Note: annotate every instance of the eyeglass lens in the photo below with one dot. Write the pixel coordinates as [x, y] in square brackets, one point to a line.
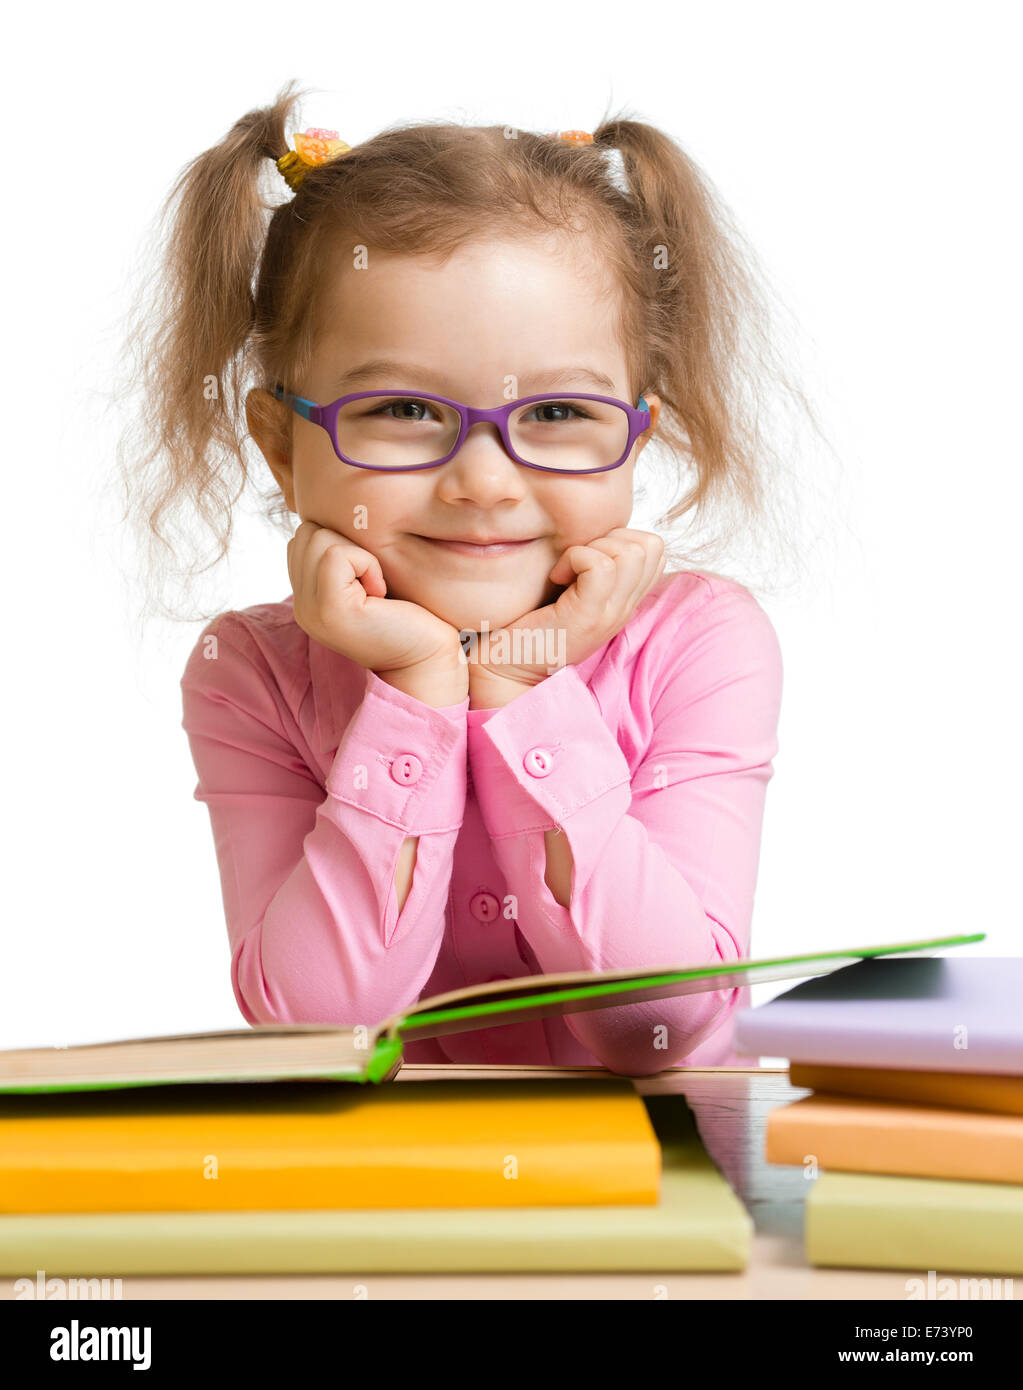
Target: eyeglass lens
[566, 433]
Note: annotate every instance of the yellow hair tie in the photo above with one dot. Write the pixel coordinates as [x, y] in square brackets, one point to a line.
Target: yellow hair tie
[575, 137]
[314, 146]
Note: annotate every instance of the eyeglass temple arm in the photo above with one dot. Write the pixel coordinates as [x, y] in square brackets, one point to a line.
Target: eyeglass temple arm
[308, 409]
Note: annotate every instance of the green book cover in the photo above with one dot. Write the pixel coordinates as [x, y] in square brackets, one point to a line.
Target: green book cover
[269, 1052]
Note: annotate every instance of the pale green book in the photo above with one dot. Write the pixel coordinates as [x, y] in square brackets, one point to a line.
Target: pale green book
[698, 1225]
[877, 1221]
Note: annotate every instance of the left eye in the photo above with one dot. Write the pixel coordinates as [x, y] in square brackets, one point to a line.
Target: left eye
[401, 405]
[560, 406]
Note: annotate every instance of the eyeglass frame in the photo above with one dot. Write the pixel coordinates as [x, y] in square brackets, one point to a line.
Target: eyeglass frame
[326, 417]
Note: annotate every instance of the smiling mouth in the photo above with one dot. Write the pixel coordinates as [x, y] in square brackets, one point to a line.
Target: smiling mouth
[479, 551]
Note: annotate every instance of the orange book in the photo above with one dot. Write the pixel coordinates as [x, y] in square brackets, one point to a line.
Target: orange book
[301, 1146]
[861, 1136]
[953, 1090]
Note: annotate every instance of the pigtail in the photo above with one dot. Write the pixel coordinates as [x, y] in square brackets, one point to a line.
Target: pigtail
[189, 334]
[712, 352]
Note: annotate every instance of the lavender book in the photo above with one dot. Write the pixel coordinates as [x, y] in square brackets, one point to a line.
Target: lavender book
[938, 1014]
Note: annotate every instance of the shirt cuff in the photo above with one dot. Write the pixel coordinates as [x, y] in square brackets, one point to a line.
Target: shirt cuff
[543, 756]
[403, 761]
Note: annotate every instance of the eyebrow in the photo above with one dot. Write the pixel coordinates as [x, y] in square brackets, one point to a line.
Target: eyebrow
[404, 373]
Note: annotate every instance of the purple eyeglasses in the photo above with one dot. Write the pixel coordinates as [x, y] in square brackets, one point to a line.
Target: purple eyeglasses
[602, 428]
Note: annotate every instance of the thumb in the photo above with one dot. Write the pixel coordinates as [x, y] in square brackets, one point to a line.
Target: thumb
[371, 576]
[562, 573]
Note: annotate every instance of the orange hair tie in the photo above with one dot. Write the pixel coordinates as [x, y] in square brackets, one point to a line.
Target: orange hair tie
[614, 164]
[314, 146]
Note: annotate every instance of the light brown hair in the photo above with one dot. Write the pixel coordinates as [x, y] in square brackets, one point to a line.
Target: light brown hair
[232, 305]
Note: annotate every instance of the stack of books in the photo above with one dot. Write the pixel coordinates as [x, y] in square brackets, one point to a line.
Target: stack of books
[294, 1177]
[916, 1113]
[252, 1151]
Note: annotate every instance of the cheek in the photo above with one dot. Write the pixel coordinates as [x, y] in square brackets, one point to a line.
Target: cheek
[595, 514]
[353, 506]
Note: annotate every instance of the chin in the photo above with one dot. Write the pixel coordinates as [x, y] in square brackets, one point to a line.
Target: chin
[496, 615]
[479, 603]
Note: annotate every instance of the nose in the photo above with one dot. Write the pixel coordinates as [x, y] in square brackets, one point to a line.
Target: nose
[483, 470]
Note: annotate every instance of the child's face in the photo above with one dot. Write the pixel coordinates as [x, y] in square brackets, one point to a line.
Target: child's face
[494, 310]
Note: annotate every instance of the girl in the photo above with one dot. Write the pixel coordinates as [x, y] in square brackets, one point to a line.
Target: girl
[488, 733]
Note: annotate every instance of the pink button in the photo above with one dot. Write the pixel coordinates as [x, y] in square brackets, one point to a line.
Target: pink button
[538, 762]
[406, 769]
[484, 907]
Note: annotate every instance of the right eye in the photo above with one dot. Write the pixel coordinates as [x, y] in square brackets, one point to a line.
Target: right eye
[402, 403]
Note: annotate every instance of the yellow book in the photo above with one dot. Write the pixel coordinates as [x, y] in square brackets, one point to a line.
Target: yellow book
[953, 1090]
[861, 1136]
[698, 1224]
[870, 1221]
[300, 1145]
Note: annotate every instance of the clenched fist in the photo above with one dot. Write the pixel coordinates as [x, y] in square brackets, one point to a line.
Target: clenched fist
[340, 601]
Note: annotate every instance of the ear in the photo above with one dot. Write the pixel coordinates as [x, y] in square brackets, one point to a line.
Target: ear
[269, 422]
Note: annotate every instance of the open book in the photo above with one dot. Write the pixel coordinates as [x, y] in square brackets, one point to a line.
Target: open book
[372, 1052]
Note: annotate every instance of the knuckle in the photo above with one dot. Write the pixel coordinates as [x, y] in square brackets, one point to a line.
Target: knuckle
[336, 557]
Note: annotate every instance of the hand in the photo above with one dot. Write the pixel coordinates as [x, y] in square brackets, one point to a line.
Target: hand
[612, 574]
[340, 601]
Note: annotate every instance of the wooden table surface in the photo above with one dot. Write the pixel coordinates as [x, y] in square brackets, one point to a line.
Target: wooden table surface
[730, 1106]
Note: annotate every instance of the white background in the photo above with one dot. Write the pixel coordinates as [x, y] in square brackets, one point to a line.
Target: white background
[870, 153]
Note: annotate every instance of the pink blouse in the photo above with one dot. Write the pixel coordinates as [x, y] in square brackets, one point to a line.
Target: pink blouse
[652, 755]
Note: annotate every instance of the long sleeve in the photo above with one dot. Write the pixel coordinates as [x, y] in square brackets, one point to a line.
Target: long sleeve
[307, 870]
[665, 855]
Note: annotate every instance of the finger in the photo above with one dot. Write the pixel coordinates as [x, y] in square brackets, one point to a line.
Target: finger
[650, 541]
[630, 560]
[660, 566]
[337, 585]
[653, 558]
[363, 564]
[297, 548]
[654, 563]
[367, 570]
[595, 574]
[355, 570]
[288, 553]
[612, 544]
